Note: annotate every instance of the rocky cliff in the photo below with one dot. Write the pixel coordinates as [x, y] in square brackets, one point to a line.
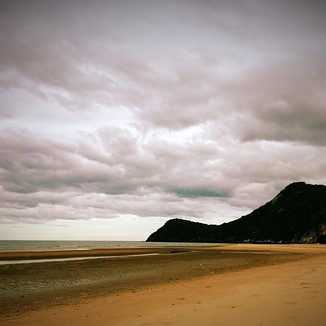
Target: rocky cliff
[296, 215]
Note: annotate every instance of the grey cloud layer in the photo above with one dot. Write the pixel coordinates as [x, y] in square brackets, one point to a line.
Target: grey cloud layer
[160, 178]
[190, 108]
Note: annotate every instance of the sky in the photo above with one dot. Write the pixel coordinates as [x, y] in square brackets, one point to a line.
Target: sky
[119, 115]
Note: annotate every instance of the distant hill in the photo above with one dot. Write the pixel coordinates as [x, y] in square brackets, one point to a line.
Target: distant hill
[296, 215]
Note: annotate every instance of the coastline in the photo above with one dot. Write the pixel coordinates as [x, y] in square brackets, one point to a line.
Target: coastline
[102, 252]
[101, 286]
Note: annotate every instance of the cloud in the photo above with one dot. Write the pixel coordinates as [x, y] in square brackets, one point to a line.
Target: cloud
[196, 109]
[197, 192]
[120, 175]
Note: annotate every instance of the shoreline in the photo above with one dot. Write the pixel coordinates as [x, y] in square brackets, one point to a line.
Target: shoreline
[80, 253]
[88, 284]
[53, 255]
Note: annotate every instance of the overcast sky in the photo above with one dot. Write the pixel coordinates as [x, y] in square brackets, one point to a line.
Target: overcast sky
[118, 115]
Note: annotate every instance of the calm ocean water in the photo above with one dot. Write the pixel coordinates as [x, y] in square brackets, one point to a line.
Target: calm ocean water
[40, 245]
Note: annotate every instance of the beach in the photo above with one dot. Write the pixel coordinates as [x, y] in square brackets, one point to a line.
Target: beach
[228, 285]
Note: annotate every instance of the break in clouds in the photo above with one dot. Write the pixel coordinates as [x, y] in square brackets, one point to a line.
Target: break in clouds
[194, 109]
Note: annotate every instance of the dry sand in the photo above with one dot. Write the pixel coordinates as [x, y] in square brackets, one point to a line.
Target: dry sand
[233, 285]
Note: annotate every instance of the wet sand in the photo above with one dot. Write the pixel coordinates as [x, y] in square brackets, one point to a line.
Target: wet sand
[234, 285]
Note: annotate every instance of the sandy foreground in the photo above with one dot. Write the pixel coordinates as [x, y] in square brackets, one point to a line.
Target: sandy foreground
[230, 285]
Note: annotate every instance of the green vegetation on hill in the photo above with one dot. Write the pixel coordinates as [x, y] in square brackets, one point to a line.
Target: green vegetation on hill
[296, 215]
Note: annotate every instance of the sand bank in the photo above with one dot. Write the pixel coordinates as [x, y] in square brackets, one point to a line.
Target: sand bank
[226, 286]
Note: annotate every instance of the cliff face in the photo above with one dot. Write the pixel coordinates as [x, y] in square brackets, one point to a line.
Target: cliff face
[296, 215]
